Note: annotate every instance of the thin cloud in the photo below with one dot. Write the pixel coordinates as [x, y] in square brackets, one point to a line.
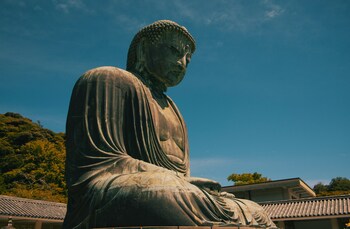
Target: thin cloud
[230, 15]
[274, 13]
[131, 24]
[186, 10]
[67, 5]
[273, 10]
[225, 15]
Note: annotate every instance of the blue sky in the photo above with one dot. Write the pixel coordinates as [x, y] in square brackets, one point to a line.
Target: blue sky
[267, 89]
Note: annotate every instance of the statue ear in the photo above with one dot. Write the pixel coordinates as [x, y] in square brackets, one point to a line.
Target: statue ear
[141, 55]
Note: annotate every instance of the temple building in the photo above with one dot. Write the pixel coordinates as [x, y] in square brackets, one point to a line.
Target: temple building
[286, 189]
[292, 204]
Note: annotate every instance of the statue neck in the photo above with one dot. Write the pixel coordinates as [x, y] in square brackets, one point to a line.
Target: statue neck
[157, 88]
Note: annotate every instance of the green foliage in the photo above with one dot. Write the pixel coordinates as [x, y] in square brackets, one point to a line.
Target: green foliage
[31, 160]
[319, 187]
[247, 178]
[337, 186]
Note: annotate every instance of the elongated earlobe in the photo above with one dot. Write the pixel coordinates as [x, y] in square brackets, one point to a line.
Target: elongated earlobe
[140, 56]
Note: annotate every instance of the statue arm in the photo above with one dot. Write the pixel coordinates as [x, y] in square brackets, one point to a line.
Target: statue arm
[104, 133]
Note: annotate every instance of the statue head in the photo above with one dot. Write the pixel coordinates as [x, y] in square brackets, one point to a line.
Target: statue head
[161, 52]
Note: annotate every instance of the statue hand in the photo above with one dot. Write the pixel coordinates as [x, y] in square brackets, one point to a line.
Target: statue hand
[210, 185]
[227, 195]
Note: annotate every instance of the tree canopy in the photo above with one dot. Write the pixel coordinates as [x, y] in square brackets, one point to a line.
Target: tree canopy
[337, 186]
[31, 159]
[247, 178]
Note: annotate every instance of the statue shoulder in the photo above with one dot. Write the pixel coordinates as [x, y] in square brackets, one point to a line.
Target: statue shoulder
[109, 74]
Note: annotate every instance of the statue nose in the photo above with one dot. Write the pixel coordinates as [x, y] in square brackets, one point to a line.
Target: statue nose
[184, 61]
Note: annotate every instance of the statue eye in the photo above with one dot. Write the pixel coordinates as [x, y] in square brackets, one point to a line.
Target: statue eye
[174, 50]
[187, 49]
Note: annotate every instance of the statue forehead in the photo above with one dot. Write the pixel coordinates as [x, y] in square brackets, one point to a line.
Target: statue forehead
[173, 37]
[165, 30]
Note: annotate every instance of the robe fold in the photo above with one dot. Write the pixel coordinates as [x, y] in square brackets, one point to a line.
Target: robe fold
[117, 172]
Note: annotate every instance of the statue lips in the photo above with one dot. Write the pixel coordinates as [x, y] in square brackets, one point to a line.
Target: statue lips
[177, 75]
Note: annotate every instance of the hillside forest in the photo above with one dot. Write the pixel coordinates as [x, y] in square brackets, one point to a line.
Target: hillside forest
[31, 160]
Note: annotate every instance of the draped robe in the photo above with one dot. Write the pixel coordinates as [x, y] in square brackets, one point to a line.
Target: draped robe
[117, 172]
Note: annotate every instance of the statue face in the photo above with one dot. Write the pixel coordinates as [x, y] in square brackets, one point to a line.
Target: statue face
[167, 60]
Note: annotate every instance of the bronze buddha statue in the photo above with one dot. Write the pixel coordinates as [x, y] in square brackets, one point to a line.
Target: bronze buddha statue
[127, 147]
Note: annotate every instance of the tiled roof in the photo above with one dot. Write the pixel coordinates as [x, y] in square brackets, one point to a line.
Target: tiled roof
[320, 207]
[21, 207]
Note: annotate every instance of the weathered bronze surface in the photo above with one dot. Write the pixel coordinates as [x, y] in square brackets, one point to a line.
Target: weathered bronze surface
[187, 227]
[127, 148]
